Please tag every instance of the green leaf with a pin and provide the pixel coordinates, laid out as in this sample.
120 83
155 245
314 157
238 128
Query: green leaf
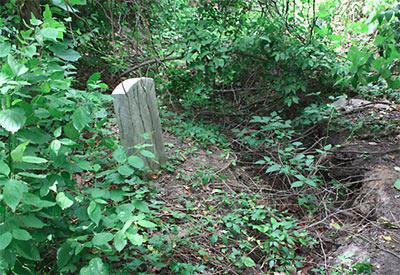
31 221
32 199
147 154
64 254
136 162
119 155
49 34
16 68
4 169
80 118
55 146
12 119
21 234
18 152
247 261
13 192
397 184
147 224
64 53
141 205
28 250
125 170
95 267
120 241
273 168
5 49
297 184
32 159
5 240
63 201
135 239
94 212
103 238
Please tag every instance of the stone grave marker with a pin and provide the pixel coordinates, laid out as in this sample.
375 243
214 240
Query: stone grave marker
138 118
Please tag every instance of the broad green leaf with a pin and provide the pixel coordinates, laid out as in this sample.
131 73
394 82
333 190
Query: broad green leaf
141 205
16 68
18 152
95 267
135 239
80 118
55 146
125 170
247 261
35 160
147 154
12 119
31 221
64 53
102 238
35 22
94 212
5 48
119 155
4 169
5 240
397 184
13 192
297 184
49 34
136 162
64 254
147 224
119 241
63 201
273 168
32 199
28 250
21 234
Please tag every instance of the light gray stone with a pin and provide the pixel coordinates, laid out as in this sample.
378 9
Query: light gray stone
137 114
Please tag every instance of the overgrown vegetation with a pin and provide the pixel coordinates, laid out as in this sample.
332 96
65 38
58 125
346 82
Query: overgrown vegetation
263 72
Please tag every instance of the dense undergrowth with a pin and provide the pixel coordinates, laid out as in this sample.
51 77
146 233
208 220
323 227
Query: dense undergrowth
264 71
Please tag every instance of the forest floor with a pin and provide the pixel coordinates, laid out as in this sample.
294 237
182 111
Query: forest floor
362 228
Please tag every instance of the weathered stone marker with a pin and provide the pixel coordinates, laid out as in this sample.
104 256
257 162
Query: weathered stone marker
138 117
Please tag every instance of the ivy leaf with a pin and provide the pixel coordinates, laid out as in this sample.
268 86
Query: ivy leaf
63 201
13 192
119 241
94 212
12 119
5 240
397 184
136 162
80 118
